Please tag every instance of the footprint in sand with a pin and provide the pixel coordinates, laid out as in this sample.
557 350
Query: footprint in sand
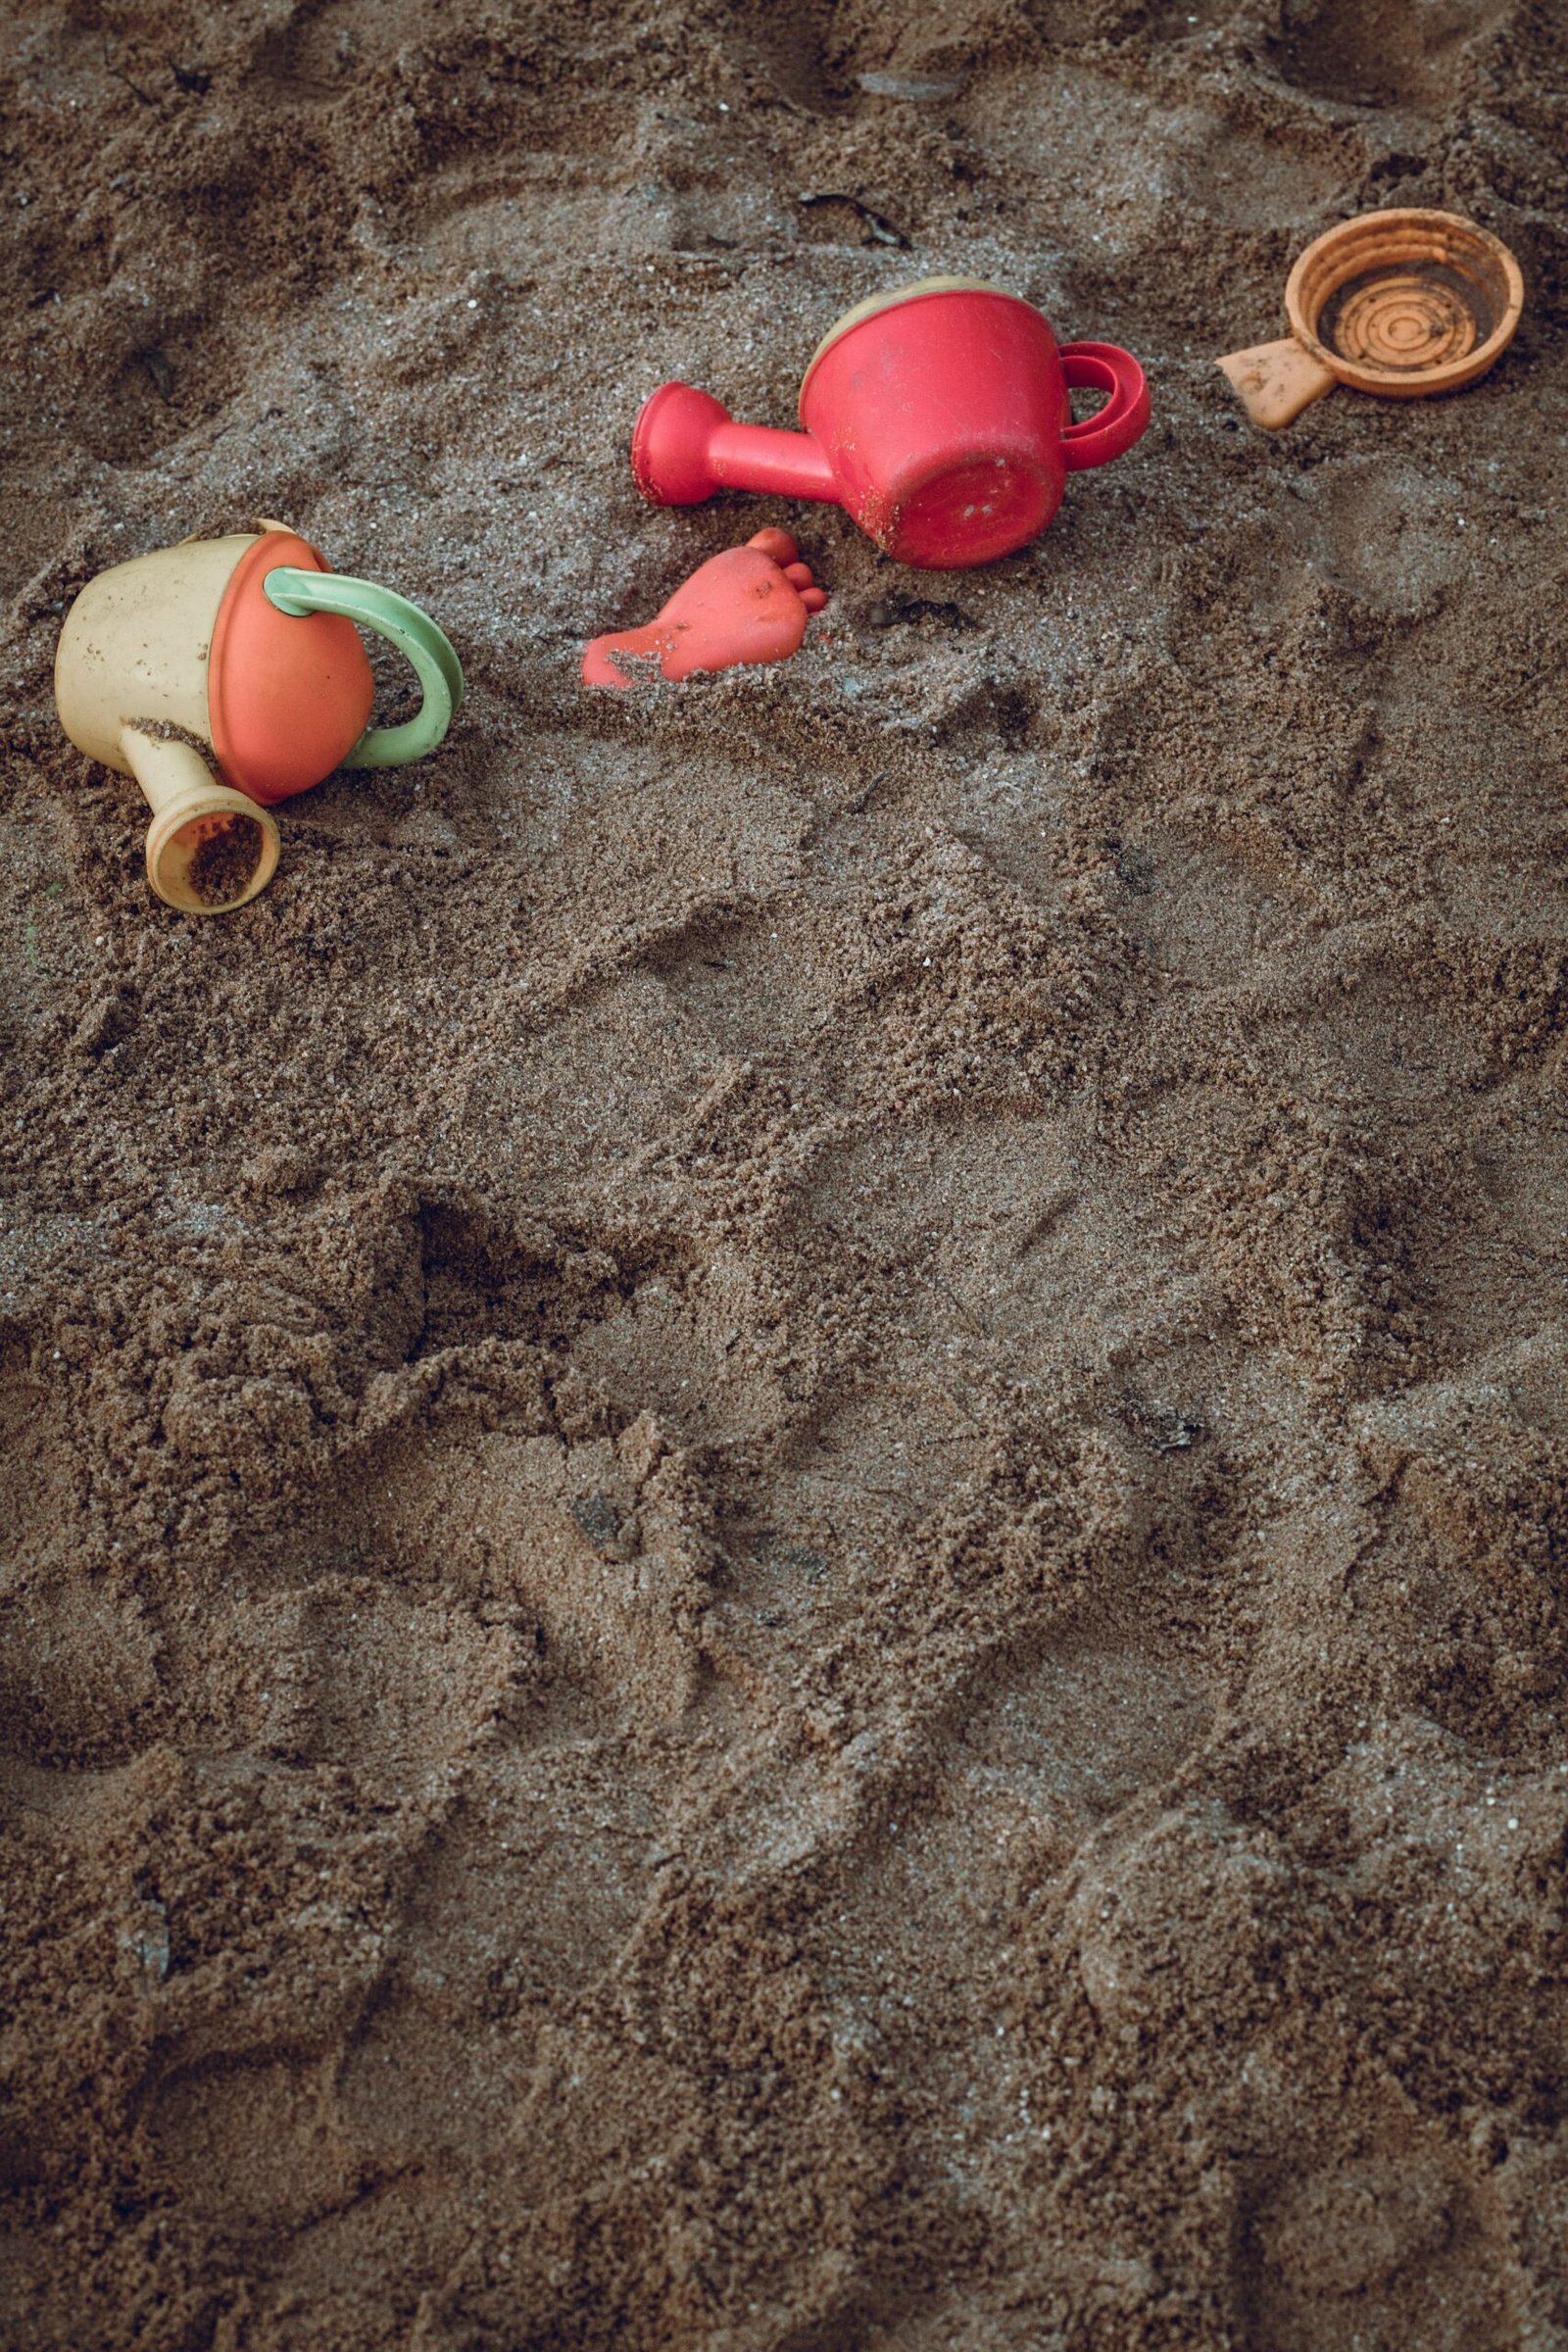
254 2144
748 604
1377 2244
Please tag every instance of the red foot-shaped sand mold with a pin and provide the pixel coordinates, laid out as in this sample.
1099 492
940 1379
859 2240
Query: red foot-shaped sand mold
750 603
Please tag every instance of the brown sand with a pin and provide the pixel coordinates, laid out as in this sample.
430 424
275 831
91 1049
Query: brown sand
786 1476
226 856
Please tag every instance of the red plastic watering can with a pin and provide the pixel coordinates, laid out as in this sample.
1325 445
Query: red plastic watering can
937 416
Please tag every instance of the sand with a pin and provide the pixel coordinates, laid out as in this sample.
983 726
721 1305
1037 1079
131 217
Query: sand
785 1477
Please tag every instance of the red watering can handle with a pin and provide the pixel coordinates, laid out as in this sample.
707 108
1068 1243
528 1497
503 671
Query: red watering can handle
1112 429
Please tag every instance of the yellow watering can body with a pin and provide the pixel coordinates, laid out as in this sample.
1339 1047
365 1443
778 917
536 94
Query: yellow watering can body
239 654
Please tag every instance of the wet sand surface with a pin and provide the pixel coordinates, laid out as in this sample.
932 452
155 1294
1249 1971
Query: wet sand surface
786 1476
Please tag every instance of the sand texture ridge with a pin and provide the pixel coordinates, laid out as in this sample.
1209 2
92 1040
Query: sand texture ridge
785 1477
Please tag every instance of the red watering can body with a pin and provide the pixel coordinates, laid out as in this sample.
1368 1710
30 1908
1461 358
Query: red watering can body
938 418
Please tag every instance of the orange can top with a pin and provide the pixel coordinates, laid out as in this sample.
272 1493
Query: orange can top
288 695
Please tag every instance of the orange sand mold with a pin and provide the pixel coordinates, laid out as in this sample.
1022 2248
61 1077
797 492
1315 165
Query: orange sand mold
748 604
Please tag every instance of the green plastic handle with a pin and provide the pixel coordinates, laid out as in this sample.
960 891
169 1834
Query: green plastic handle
439 671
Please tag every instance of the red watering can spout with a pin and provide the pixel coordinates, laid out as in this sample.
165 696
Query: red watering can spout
687 446
937 416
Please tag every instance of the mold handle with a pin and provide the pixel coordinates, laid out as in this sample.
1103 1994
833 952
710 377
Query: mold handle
1277 380
189 806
